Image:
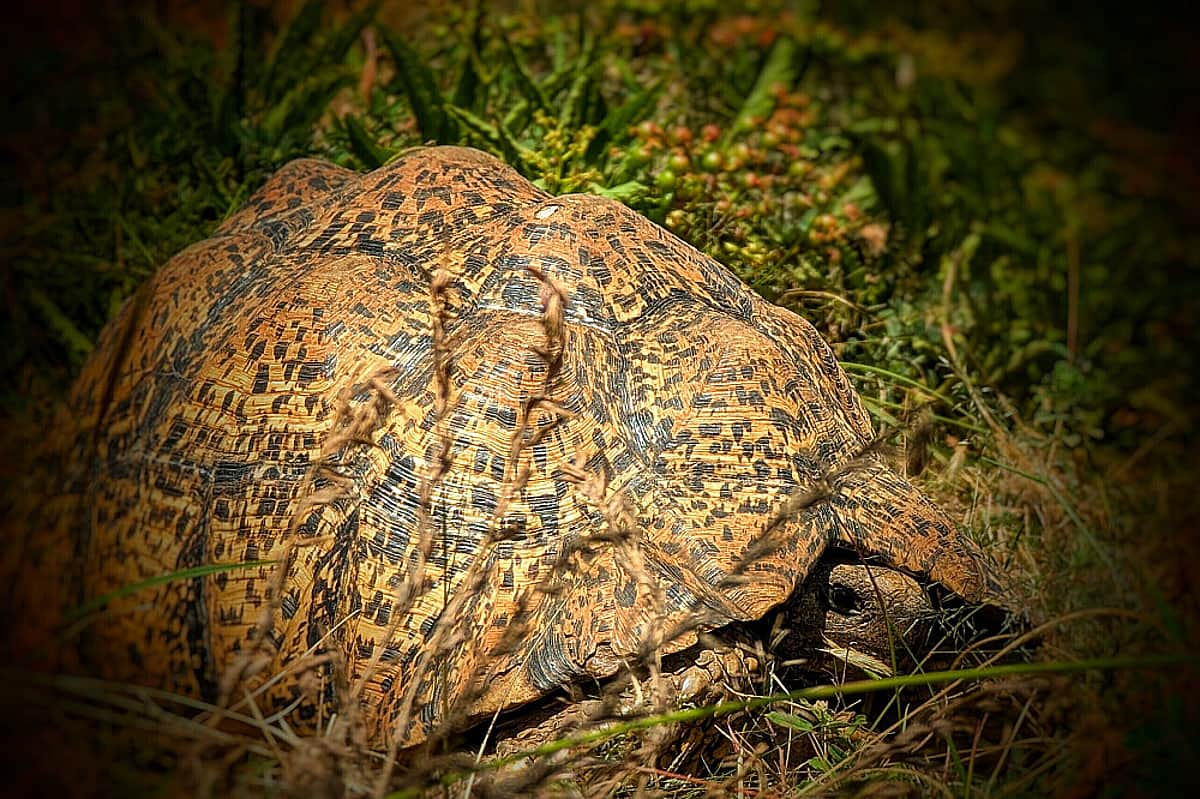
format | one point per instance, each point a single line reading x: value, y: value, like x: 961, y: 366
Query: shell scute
x: 274, y: 394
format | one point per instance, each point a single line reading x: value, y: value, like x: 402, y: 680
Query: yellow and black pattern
x: 457, y: 562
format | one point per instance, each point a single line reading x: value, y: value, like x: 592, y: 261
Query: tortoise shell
x: 480, y: 441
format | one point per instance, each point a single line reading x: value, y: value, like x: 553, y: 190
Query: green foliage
x: 192, y: 132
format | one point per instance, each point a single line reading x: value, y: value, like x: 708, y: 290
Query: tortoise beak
x: 878, y: 511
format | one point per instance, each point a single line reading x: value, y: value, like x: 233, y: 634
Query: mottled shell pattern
x: 485, y: 441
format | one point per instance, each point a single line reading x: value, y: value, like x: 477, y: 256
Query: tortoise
x: 469, y: 442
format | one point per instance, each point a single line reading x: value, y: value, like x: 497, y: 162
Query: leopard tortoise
x: 469, y: 441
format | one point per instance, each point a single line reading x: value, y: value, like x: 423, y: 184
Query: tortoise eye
x: 843, y: 599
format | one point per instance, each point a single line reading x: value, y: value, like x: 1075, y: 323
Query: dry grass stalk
x: 446, y: 635
x: 416, y: 582
x: 355, y: 425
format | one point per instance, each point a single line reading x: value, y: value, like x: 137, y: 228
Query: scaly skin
x: 878, y: 612
x: 210, y: 402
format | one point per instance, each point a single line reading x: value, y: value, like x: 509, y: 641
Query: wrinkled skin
x: 881, y: 613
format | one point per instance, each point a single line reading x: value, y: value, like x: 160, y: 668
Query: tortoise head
x: 873, y: 612
x: 852, y: 613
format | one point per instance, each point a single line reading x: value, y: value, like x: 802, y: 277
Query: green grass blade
x: 286, y: 56
x: 497, y: 139
x: 524, y: 82
x: 417, y: 81
x: 631, y: 192
x: 866, y: 368
x: 339, y: 41
x: 93, y: 605
x: 301, y: 106
x: 517, y: 118
x: 791, y: 722
x: 759, y: 104
x: 615, y: 125
x: 573, y: 107
x: 60, y: 323
x: 368, y: 151
x: 879, y: 404
x: 473, y: 74
x: 854, y: 688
